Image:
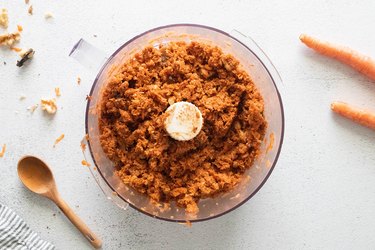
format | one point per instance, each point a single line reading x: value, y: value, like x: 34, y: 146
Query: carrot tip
x: 303, y: 38
x: 333, y: 106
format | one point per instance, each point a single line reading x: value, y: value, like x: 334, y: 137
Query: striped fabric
x: 15, y: 234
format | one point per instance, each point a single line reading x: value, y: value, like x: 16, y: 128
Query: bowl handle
x: 247, y: 40
x: 88, y: 55
x: 108, y: 192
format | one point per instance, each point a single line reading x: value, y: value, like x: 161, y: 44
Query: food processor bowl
x: 254, y: 62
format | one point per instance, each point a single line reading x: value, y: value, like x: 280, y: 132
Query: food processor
x: 253, y: 60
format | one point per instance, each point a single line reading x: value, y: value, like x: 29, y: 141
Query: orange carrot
x: 362, y: 117
x: 360, y: 62
x: 2, y: 152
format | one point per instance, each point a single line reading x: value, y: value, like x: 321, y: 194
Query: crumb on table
x: 78, y: 80
x: 57, y: 91
x: 32, y: 108
x: 30, y: 10
x: 48, y: 15
x: 59, y: 139
x: 2, y: 152
x: 49, y: 105
x: 4, y: 19
x: 8, y: 39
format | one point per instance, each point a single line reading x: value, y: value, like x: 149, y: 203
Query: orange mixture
x: 132, y: 122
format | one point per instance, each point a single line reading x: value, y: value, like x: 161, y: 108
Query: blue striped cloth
x: 15, y: 234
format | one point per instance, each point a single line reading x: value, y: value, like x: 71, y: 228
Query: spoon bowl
x: 35, y: 175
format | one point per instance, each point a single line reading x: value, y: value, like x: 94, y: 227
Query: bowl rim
x: 277, y: 92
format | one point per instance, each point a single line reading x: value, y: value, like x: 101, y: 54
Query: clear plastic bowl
x: 253, y: 60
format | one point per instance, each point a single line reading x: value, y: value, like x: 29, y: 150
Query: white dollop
x: 184, y: 121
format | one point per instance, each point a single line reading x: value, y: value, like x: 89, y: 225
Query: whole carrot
x: 360, y: 62
x: 362, y: 117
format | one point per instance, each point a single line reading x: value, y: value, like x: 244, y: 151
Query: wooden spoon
x: 37, y: 176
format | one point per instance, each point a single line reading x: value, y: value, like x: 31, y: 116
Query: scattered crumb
x: 16, y: 49
x: 186, y: 223
x: 79, y: 80
x: 49, y: 105
x: 58, y: 139
x: 95, y: 35
x: 77, y: 206
x: 114, y: 193
x: 4, y: 20
x: 30, y: 10
x: 2, y: 152
x: 85, y: 163
x: 272, y: 141
x: 48, y: 15
x: 5, y: 63
x: 88, y: 97
x: 25, y: 56
x: 32, y: 108
x: 22, y: 97
x: 94, y: 168
x: 57, y: 91
x: 8, y: 39
x: 19, y: 28
x: 53, y: 215
x: 83, y: 146
x: 87, y: 137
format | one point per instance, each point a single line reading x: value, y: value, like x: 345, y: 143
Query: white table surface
x: 321, y: 193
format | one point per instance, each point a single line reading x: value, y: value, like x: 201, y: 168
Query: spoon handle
x: 78, y: 223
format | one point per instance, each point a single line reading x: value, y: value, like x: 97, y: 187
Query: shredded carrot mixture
x: 58, y: 139
x: 3, y: 150
x: 57, y: 91
x: 85, y: 163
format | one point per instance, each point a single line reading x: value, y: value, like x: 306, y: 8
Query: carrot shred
x: 58, y: 139
x: 3, y: 150
x: 356, y: 60
x: 363, y: 117
x: 16, y: 49
x: 83, y: 146
x: 57, y: 91
x: 85, y: 163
